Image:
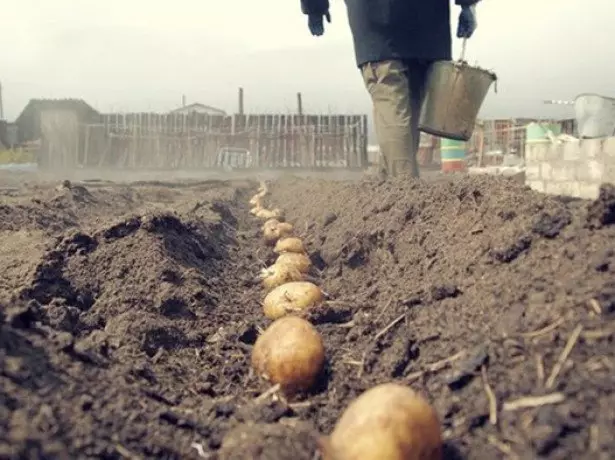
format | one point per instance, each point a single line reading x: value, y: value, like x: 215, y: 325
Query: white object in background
x: 595, y: 115
x: 558, y: 102
x: 566, y: 138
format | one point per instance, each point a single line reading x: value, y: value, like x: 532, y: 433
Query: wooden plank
x: 258, y: 149
x: 269, y: 153
x: 208, y: 142
x: 86, y: 147
x: 292, y: 139
x: 364, y: 142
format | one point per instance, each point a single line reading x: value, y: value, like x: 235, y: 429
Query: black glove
x: 467, y: 22
x: 316, y: 23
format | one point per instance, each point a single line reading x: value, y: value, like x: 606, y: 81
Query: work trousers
x: 397, y: 89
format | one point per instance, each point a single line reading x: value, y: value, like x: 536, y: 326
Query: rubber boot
x: 405, y: 167
x: 383, y: 168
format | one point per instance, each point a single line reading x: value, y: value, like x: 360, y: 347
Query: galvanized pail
x: 454, y: 94
x: 595, y: 115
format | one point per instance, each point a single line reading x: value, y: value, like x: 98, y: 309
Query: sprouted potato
x: 292, y: 297
x: 272, y: 233
x: 300, y: 261
x: 289, y: 353
x: 278, y: 274
x: 256, y: 209
x: 262, y: 188
x: 269, y: 224
x: 269, y: 214
x: 289, y: 244
x: 256, y: 199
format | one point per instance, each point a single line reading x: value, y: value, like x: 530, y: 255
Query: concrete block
x: 559, y: 188
x: 589, y: 171
x: 532, y: 172
x: 608, y: 163
x: 541, y: 152
x: 571, y: 151
x: 608, y: 147
x: 554, y: 152
x: 536, y: 185
x: 592, y: 148
x: 535, y: 153
x: 609, y: 172
x: 530, y: 154
x: 546, y: 171
x: 576, y: 189
x: 573, y: 188
x: 588, y: 191
x: 596, y: 170
x: 563, y: 172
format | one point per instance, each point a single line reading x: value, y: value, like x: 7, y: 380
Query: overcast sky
x: 133, y: 55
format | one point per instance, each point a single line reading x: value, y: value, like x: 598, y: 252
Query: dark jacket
x: 396, y: 29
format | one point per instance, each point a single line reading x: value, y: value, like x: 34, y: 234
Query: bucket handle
x: 462, y: 60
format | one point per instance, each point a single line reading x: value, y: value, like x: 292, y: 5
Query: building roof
x: 196, y: 106
x: 36, y: 105
x: 28, y: 121
x: 75, y: 104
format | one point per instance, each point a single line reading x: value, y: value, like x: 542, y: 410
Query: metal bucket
x: 595, y: 115
x: 454, y: 95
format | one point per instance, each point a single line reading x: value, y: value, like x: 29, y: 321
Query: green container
x: 538, y: 133
x: 452, y: 154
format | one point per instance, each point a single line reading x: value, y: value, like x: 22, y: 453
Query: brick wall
x: 574, y: 168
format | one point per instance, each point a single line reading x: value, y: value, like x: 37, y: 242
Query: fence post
x: 86, y: 147
x: 299, y: 104
x: 364, y: 142
x: 240, y: 108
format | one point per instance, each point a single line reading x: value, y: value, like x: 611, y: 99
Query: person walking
x: 395, y: 41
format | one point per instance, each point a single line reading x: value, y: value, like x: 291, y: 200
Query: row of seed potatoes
x: 389, y: 421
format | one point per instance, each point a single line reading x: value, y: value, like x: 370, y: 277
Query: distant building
x: 4, y: 143
x: 29, y: 121
x: 8, y: 134
x: 199, y: 108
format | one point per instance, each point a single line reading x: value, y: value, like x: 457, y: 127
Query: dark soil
x: 128, y: 313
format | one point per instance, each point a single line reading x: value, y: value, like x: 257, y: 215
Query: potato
x: 292, y: 297
x: 285, y: 228
x: 264, y: 213
x: 263, y: 188
x: 289, y: 353
x: 289, y: 244
x: 387, y: 421
x: 269, y: 214
x: 274, y: 233
x: 256, y: 199
x: 278, y: 274
x: 256, y: 209
x: 269, y: 224
x: 301, y: 261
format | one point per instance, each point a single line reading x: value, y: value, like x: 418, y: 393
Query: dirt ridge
x: 126, y: 330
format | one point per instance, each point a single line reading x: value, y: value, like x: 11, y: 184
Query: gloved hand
x: 467, y: 22
x: 316, y: 23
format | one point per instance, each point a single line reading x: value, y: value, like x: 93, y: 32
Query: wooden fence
x: 192, y: 141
